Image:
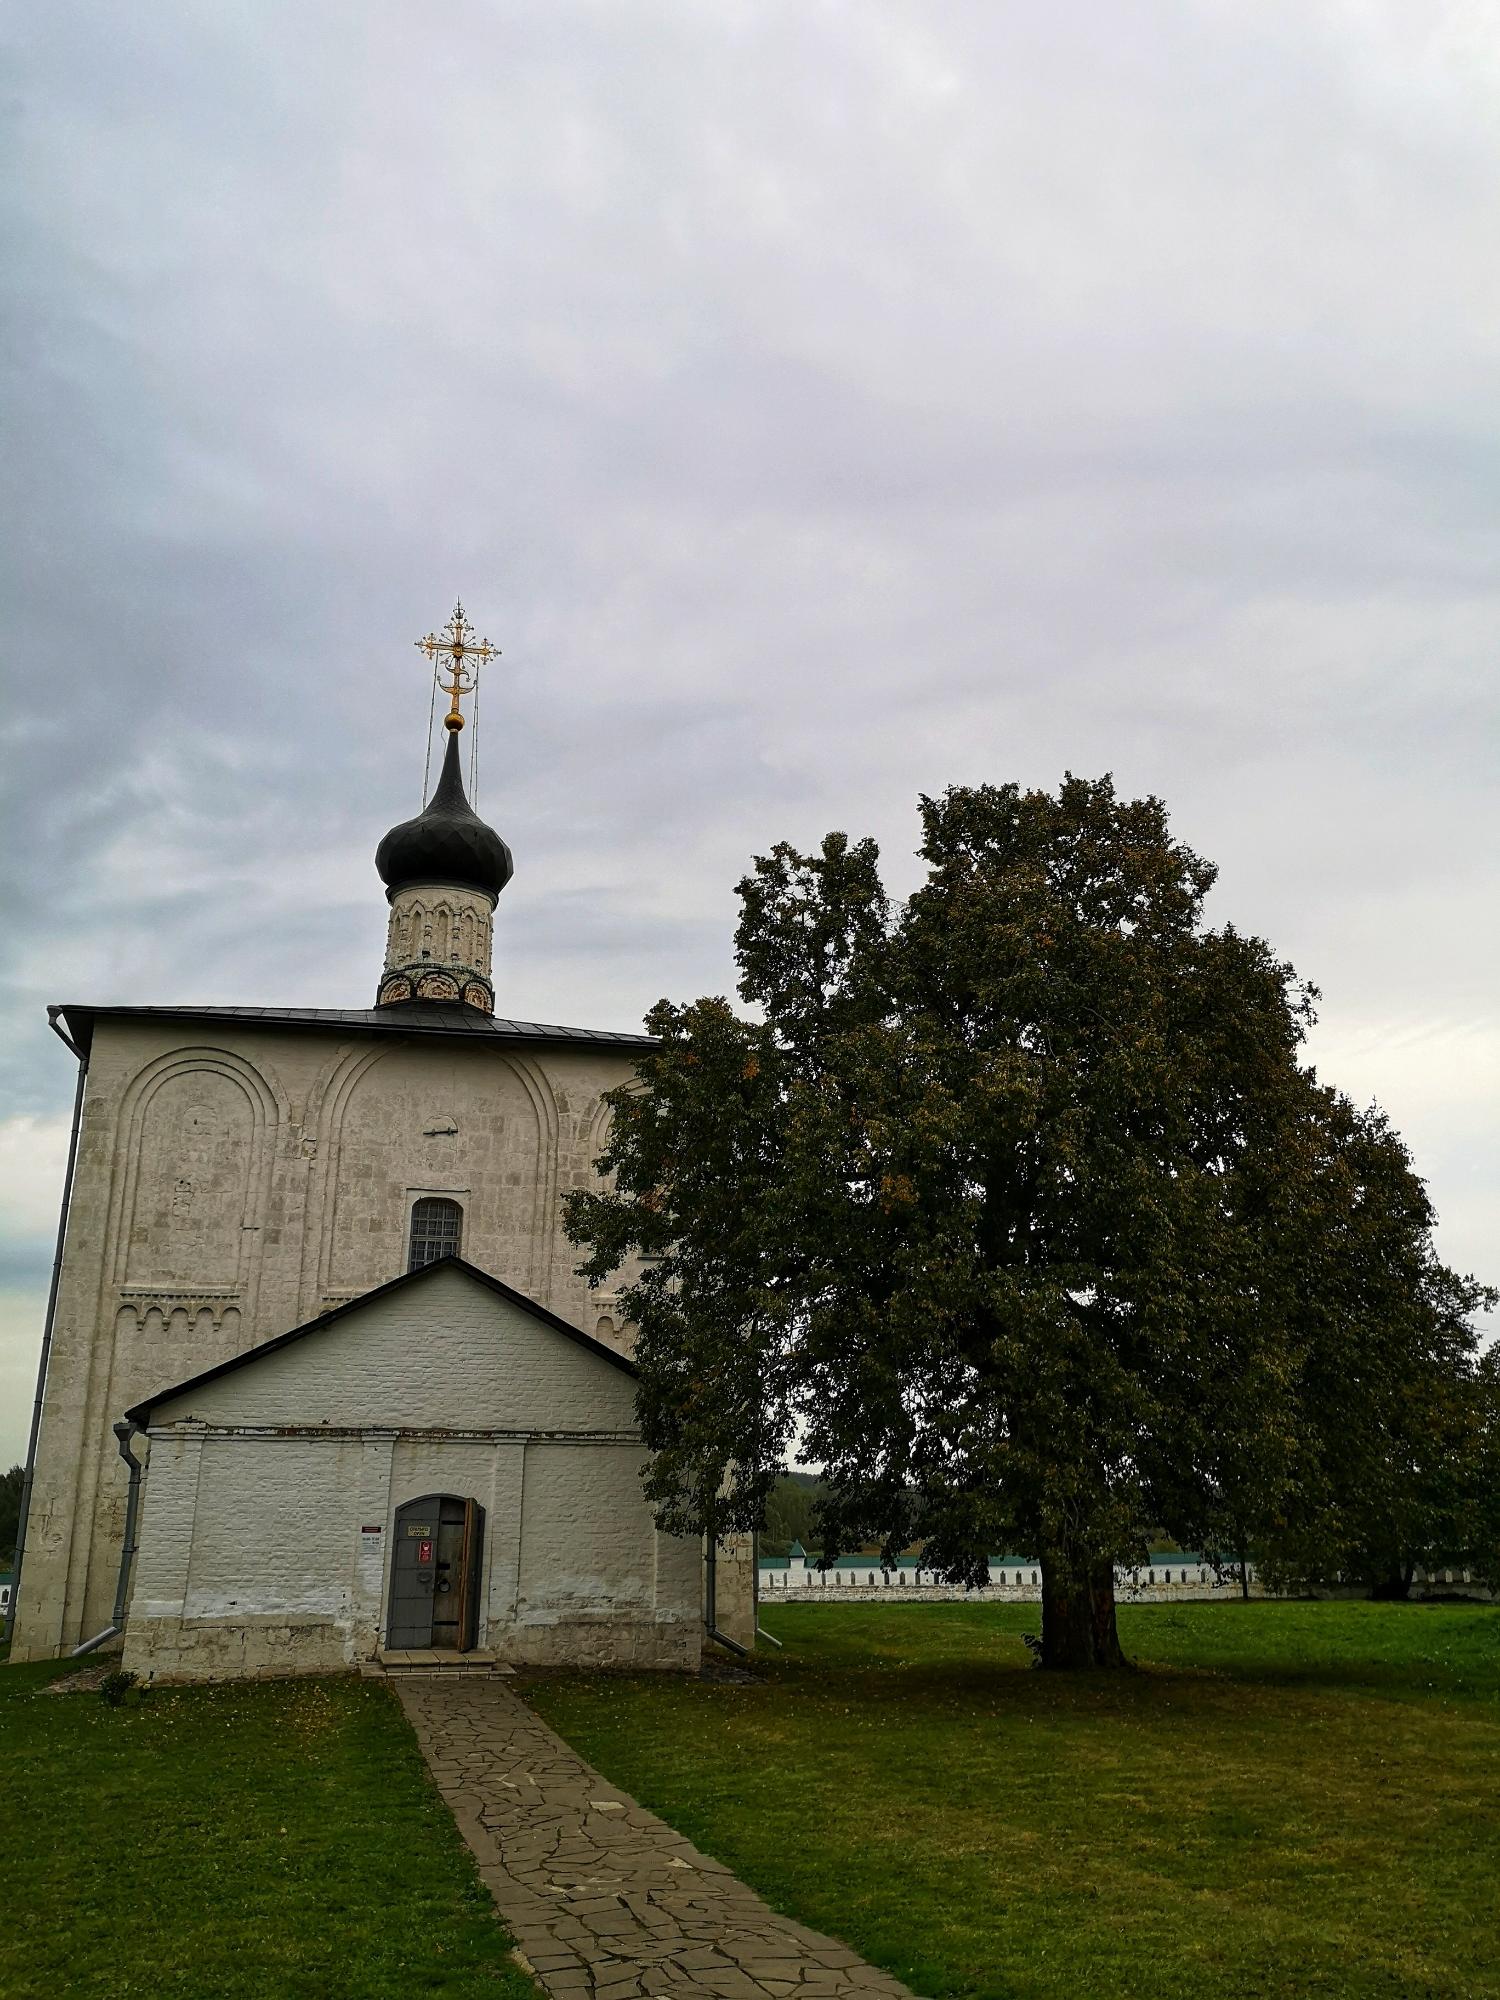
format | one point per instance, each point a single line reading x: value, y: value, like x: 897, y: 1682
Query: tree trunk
x: 1395, y: 1586
x: 1078, y: 1616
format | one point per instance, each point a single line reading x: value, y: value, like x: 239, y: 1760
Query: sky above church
x: 819, y: 404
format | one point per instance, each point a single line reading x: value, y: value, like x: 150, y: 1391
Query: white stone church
x: 314, y: 1286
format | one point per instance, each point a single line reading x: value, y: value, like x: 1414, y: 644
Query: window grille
x: 436, y: 1231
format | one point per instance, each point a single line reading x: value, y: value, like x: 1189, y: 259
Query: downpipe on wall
x: 760, y: 1630
x: 125, y: 1430
x: 711, y: 1609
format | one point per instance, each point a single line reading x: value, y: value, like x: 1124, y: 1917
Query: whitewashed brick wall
x: 254, y: 1552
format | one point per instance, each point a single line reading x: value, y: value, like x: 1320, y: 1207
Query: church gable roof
x: 409, y: 1280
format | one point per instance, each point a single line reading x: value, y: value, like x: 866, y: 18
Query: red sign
x: 424, y: 1552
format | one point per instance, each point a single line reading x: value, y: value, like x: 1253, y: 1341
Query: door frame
x: 470, y: 1576
x: 470, y: 1565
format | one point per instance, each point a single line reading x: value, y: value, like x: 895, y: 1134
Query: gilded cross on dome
x: 462, y: 653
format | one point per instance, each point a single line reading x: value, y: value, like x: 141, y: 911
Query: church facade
x: 244, y: 1174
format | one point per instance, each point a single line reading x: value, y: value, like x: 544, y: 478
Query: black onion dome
x: 447, y: 841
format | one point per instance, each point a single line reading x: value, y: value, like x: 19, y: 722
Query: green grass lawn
x: 1289, y: 1800
x: 252, y: 1842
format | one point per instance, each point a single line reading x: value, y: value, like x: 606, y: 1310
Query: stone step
x: 430, y: 1664
x: 372, y: 1670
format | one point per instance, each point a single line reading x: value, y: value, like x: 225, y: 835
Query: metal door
x: 435, y: 1572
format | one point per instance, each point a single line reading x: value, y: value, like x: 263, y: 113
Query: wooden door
x: 436, y: 1575
x: 470, y: 1575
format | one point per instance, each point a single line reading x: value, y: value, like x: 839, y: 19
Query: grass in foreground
x: 251, y: 1842
x: 1288, y: 1800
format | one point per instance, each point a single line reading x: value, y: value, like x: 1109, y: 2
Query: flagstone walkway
x: 601, y: 1896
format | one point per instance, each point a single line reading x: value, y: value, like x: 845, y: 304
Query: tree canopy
x: 10, y: 1512
x: 1016, y: 1204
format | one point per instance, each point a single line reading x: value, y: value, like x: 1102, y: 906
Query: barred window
x: 437, y: 1227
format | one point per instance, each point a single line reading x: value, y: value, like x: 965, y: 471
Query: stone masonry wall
x: 235, y: 1181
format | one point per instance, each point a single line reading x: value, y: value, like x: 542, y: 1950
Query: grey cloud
x: 818, y: 406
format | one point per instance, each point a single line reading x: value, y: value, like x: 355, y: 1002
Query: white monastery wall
x: 1190, y: 1581
x: 235, y: 1180
x: 797, y: 1583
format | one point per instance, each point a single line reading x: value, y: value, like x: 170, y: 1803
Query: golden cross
x: 465, y: 655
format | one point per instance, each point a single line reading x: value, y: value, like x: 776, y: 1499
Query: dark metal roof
x: 142, y: 1410
x: 406, y: 1017
x: 446, y: 842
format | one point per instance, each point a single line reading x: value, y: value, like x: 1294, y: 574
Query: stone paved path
x: 602, y: 1897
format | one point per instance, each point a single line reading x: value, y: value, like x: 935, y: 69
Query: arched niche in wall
x: 434, y: 1119
x: 195, y: 1141
x: 599, y: 1125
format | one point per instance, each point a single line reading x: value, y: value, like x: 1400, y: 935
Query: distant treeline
x: 10, y: 1513
x: 791, y: 1516
x: 790, y: 1513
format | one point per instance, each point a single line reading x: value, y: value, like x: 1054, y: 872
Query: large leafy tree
x: 1392, y: 1399
x: 10, y: 1512
x: 1481, y: 1543
x: 1016, y: 1205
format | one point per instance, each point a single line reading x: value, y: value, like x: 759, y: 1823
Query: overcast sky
x: 819, y: 404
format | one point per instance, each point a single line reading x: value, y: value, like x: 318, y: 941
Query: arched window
x: 437, y: 1227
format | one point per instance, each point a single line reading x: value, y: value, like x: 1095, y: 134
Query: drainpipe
x: 760, y: 1630
x: 124, y: 1432
x: 50, y: 1316
x: 710, y: 1616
